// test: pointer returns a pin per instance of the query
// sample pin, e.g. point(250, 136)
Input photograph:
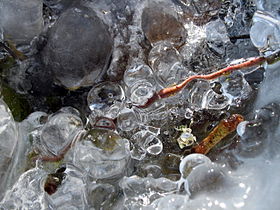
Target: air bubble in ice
point(137, 72)
point(199, 173)
point(269, 116)
point(268, 5)
point(140, 192)
point(8, 132)
point(252, 138)
point(145, 142)
point(166, 61)
point(217, 36)
point(200, 12)
point(140, 83)
point(59, 131)
point(253, 134)
point(101, 195)
point(127, 120)
point(106, 99)
point(171, 202)
point(102, 154)
point(153, 146)
point(141, 92)
point(236, 88)
point(265, 31)
point(201, 96)
point(26, 192)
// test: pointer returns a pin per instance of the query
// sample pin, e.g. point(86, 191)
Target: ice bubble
point(35, 120)
point(106, 99)
point(200, 12)
point(254, 134)
point(200, 174)
point(235, 88)
point(59, 131)
point(217, 36)
point(8, 131)
point(253, 139)
point(166, 61)
point(80, 62)
point(141, 92)
point(21, 20)
point(265, 31)
point(196, 38)
point(269, 116)
point(140, 83)
point(101, 195)
point(171, 202)
point(141, 192)
point(268, 5)
point(145, 142)
point(127, 120)
point(201, 96)
point(158, 24)
point(137, 72)
point(102, 154)
point(27, 192)
point(102, 122)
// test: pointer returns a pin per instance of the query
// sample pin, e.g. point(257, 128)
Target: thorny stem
point(250, 62)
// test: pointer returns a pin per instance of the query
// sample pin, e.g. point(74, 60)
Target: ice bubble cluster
point(141, 192)
point(93, 144)
point(145, 142)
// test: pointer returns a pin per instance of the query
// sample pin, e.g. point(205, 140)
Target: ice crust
point(98, 167)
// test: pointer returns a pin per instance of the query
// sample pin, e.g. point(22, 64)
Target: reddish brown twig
point(250, 62)
point(224, 128)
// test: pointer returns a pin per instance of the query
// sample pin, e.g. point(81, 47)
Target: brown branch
point(224, 128)
point(250, 62)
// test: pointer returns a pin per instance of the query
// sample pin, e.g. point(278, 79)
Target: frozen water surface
point(88, 143)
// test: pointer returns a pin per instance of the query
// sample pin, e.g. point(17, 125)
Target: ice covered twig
point(224, 128)
point(249, 62)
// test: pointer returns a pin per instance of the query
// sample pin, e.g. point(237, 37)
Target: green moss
point(6, 63)
point(17, 103)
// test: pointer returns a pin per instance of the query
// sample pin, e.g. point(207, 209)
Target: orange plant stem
point(250, 62)
point(224, 128)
